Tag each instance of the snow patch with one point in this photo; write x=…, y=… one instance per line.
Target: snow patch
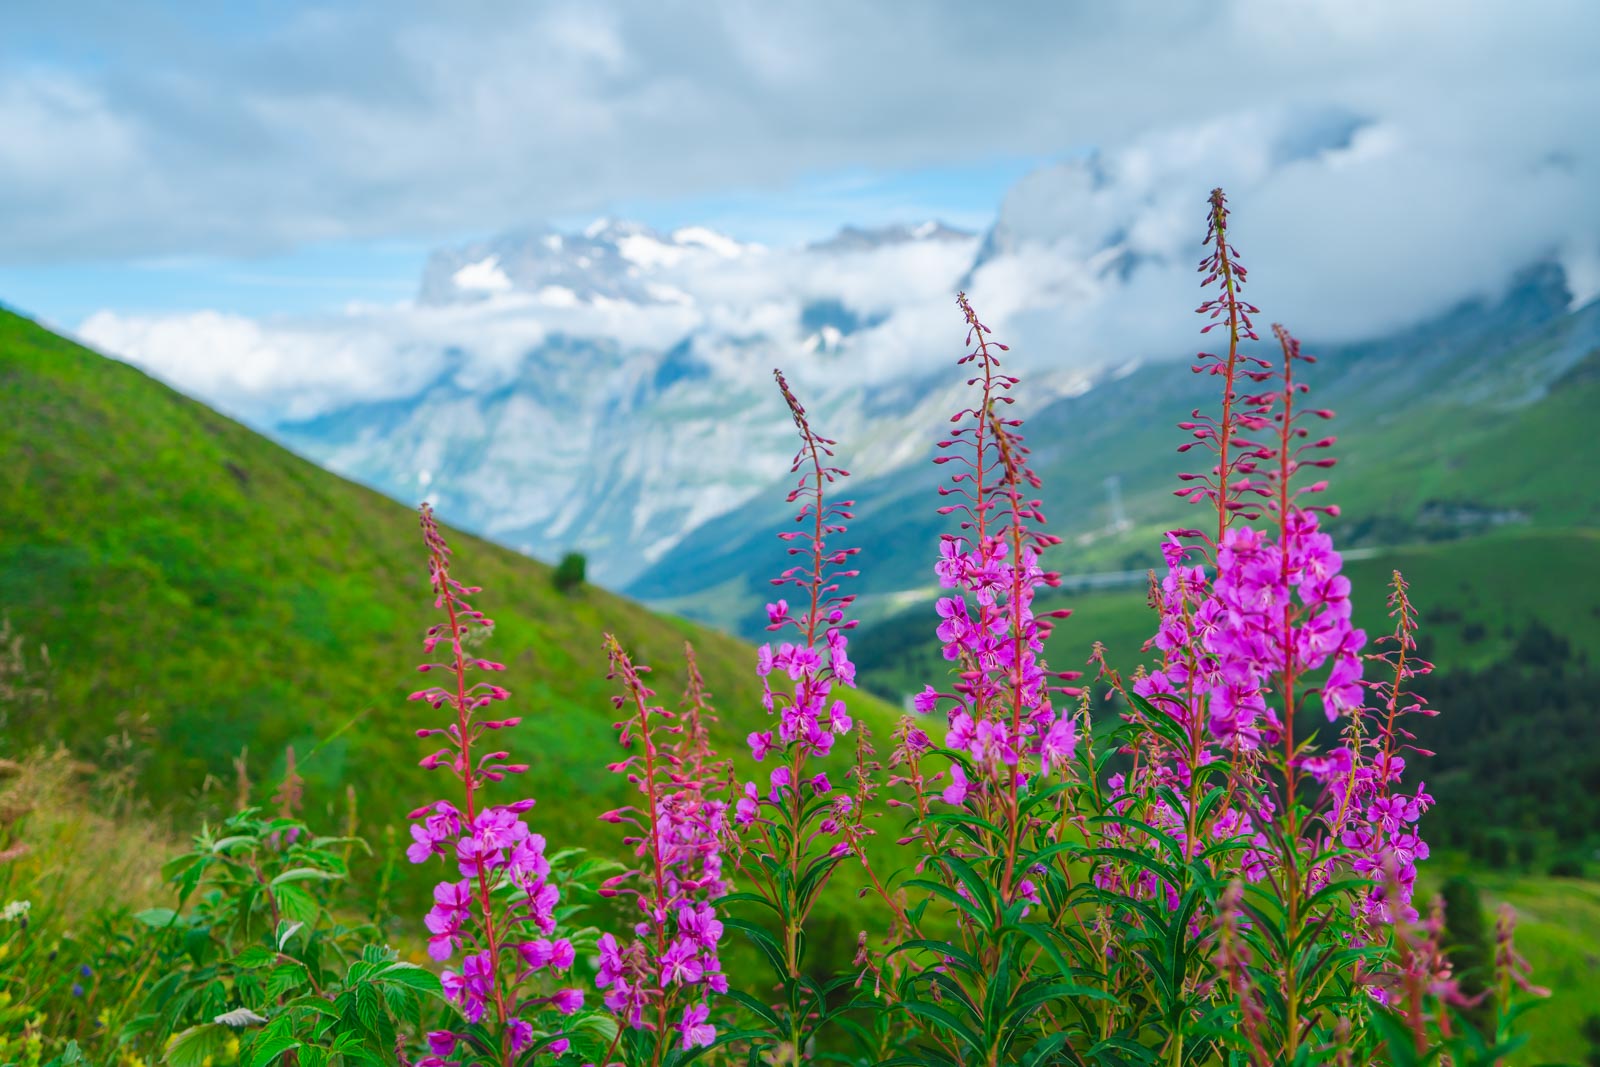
x=484, y=276
x=647, y=252
x=723, y=246
x=1581, y=264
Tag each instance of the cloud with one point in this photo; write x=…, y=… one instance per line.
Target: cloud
x=262, y=129
x=744, y=311
x=1384, y=160
x=1353, y=223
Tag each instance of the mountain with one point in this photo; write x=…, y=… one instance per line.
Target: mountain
x=1470, y=420
x=609, y=261
x=186, y=572
x=609, y=391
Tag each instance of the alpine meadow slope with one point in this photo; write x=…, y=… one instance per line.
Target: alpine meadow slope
x=182, y=570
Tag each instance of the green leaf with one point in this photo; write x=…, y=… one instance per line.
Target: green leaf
x=70, y=1056
x=295, y=903
x=979, y=914
x=763, y=940
x=604, y=1025
x=158, y=918
x=369, y=1008
x=254, y=957
x=225, y=843
x=934, y=1013
x=756, y=1006
x=412, y=977
x=941, y=948
x=191, y=1047
x=303, y=874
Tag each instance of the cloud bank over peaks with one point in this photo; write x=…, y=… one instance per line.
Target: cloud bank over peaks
x=835, y=312
x=1353, y=224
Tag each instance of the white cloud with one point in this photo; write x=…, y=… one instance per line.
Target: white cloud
x=1352, y=224
x=1384, y=159
x=291, y=368
x=373, y=120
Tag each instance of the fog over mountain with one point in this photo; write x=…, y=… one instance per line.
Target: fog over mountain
x=609, y=390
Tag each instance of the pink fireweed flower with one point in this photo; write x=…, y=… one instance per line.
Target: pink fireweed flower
x=956, y=792
x=520, y=1033
x=809, y=716
x=680, y=964
x=761, y=743
x=1005, y=722
x=748, y=807
x=697, y=1032
x=503, y=892
x=682, y=821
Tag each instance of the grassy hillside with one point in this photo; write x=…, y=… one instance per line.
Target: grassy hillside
x=180, y=567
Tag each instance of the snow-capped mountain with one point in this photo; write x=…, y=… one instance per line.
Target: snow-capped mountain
x=629, y=398
x=608, y=260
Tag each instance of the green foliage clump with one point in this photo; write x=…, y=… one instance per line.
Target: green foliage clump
x=569, y=573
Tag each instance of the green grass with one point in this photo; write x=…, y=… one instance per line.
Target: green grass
x=179, y=566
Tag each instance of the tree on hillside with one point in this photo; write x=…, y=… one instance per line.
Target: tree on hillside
x=569, y=573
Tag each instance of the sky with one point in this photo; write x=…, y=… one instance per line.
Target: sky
x=271, y=160
x=323, y=274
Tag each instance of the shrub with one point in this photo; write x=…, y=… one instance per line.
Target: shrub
x=1566, y=867
x=568, y=575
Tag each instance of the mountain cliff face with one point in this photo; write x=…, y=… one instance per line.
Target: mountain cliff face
x=637, y=402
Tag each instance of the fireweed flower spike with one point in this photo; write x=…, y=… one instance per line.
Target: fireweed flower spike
x=985, y=832
x=1001, y=717
x=495, y=909
x=660, y=978
x=1220, y=434
x=790, y=834
x=1369, y=815
x=1254, y=626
